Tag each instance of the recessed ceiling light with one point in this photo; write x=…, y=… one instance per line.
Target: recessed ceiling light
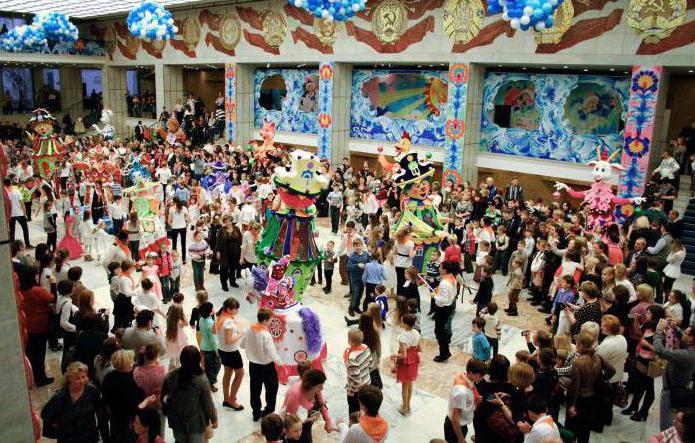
x=586, y=70
x=267, y=65
x=523, y=69
x=543, y=68
x=499, y=66
x=690, y=71
x=612, y=69
x=624, y=72
x=565, y=66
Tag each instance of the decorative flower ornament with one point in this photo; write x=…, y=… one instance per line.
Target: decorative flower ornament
x=455, y=128
x=637, y=147
x=324, y=120
x=326, y=72
x=458, y=73
x=645, y=81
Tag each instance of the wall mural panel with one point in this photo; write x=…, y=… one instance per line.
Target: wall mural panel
x=230, y=101
x=555, y=117
x=288, y=108
x=387, y=102
x=325, y=108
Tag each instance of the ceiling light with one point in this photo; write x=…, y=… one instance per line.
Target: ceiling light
x=586, y=70
x=690, y=71
x=524, y=68
x=612, y=69
x=543, y=68
x=267, y=65
x=499, y=66
x=565, y=66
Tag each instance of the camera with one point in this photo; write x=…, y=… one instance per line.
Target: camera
x=525, y=333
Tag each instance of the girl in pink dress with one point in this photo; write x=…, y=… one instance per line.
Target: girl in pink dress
x=407, y=361
x=151, y=270
x=69, y=242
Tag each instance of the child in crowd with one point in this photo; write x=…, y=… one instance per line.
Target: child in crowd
x=151, y=270
x=514, y=285
x=208, y=343
x=413, y=309
x=357, y=358
x=462, y=401
x=147, y=299
x=102, y=239
x=176, y=338
x=492, y=329
x=201, y=296
x=469, y=256
x=372, y=277
x=381, y=298
x=164, y=264
x=483, y=251
x=407, y=361
x=522, y=356
x=481, y=347
x=176, y=271
x=564, y=296
x=501, y=250
x=272, y=428
x=114, y=271
x=87, y=231
x=369, y=426
x=356, y=264
x=412, y=285
x=433, y=275
x=50, y=226
x=328, y=266
x=520, y=255
x=485, y=288
x=293, y=426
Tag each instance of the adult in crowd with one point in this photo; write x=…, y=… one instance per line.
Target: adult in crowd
x=36, y=305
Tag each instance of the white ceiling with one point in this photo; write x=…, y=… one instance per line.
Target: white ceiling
x=82, y=8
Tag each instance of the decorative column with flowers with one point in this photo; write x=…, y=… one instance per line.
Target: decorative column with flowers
x=325, y=116
x=230, y=104
x=639, y=133
x=455, y=123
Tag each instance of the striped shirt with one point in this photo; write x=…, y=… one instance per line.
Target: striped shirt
x=358, y=361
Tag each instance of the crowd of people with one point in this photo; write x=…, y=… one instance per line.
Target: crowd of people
x=614, y=320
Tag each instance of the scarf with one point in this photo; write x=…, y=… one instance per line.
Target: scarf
x=257, y=327
x=224, y=316
x=347, y=351
x=461, y=379
x=375, y=427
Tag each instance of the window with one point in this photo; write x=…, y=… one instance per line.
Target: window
x=273, y=92
x=515, y=106
x=18, y=84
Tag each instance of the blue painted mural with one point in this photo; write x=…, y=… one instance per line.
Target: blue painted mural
x=294, y=109
x=387, y=102
x=552, y=116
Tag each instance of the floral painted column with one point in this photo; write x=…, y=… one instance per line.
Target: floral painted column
x=326, y=71
x=455, y=123
x=639, y=131
x=230, y=101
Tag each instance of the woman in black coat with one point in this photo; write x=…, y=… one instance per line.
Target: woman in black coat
x=228, y=253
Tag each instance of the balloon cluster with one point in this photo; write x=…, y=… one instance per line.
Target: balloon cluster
x=23, y=38
x=151, y=22
x=339, y=10
x=56, y=26
x=525, y=14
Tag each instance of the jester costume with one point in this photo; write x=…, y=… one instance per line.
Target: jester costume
x=290, y=228
x=47, y=147
x=414, y=176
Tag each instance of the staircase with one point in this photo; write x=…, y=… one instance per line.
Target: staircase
x=686, y=206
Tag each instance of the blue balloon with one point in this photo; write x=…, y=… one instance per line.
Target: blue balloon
x=340, y=10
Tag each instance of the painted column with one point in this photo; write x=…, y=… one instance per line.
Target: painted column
x=113, y=81
x=230, y=101
x=340, y=117
x=71, y=91
x=639, y=129
x=325, y=114
x=456, y=122
x=474, y=115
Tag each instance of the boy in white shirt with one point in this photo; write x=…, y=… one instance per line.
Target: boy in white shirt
x=462, y=401
x=544, y=427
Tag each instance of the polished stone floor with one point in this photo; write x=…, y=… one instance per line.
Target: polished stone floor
x=429, y=399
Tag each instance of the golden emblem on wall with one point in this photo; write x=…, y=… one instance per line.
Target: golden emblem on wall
x=562, y=21
x=389, y=20
x=326, y=31
x=132, y=43
x=191, y=33
x=230, y=31
x=463, y=19
x=655, y=19
x=274, y=27
x=109, y=39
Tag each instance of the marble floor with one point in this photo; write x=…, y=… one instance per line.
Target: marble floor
x=429, y=400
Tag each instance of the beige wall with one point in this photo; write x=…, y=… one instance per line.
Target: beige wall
x=206, y=84
x=681, y=102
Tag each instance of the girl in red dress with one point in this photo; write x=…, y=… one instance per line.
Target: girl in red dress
x=407, y=361
x=69, y=242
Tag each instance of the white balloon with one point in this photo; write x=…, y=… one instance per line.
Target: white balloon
x=528, y=10
x=525, y=20
x=540, y=26
x=505, y=16
x=298, y=3
x=514, y=23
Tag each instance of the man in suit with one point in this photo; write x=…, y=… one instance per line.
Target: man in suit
x=514, y=191
x=139, y=131
x=639, y=250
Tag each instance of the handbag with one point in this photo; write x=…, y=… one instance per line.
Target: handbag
x=656, y=367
